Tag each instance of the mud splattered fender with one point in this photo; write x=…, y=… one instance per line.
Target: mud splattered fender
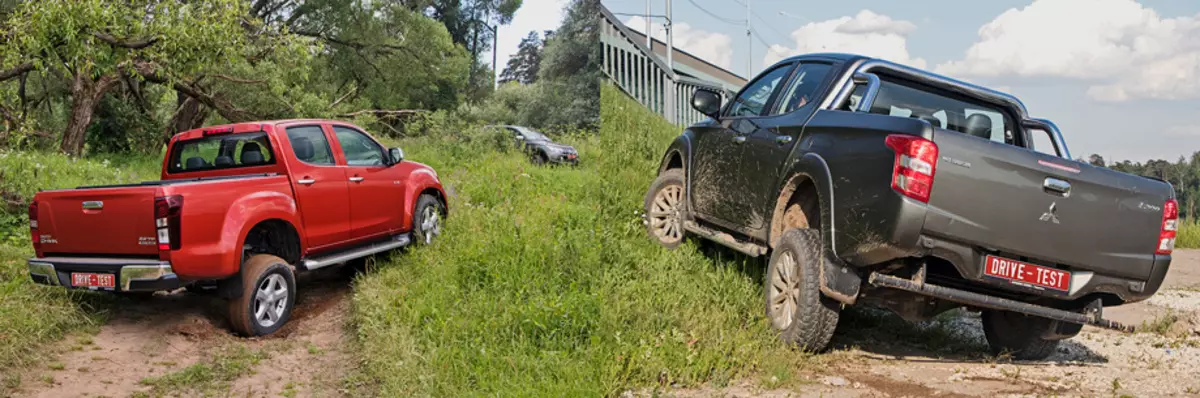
x=838, y=279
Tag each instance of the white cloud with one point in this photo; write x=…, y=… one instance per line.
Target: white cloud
x=1125, y=49
x=716, y=48
x=866, y=33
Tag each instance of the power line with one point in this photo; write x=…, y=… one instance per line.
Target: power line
x=768, y=25
x=718, y=17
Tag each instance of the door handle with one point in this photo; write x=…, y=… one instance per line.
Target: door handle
x=356, y=179
x=783, y=139
x=739, y=139
x=1055, y=185
x=306, y=181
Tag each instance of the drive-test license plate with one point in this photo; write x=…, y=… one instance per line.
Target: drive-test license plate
x=1026, y=274
x=81, y=279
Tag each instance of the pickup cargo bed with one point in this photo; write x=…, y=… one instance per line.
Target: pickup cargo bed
x=1008, y=199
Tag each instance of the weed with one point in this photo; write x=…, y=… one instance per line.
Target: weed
x=226, y=365
x=56, y=366
x=1161, y=324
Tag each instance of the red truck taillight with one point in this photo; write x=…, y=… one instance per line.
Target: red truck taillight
x=1170, y=223
x=167, y=211
x=33, y=225
x=916, y=161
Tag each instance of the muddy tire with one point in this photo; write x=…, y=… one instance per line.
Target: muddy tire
x=268, y=296
x=539, y=159
x=666, y=209
x=427, y=219
x=794, y=303
x=1018, y=335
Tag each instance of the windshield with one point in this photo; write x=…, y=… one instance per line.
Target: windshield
x=221, y=152
x=531, y=135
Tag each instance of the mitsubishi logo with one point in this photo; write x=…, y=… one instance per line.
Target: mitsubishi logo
x=1052, y=214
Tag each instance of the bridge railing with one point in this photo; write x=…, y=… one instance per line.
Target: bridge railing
x=646, y=77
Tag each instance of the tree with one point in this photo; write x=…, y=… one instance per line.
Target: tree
x=96, y=45
x=1096, y=160
x=523, y=66
x=570, y=66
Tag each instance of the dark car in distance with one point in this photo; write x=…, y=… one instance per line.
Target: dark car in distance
x=869, y=182
x=541, y=149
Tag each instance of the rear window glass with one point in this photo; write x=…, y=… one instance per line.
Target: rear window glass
x=955, y=113
x=221, y=152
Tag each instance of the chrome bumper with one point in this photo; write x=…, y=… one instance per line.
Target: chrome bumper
x=132, y=274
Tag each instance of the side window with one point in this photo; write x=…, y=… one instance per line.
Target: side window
x=310, y=145
x=803, y=89
x=753, y=99
x=359, y=149
x=1043, y=142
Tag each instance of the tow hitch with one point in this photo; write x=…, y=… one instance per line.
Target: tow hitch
x=1090, y=316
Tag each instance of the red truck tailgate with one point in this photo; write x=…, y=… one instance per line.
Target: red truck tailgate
x=106, y=221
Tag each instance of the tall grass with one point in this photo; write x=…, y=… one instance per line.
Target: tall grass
x=1188, y=236
x=545, y=283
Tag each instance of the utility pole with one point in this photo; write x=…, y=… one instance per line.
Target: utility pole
x=649, y=41
x=749, y=45
x=670, y=25
x=495, y=73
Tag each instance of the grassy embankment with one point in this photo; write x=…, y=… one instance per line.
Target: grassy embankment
x=546, y=284
x=32, y=314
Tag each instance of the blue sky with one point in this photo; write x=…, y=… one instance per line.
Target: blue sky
x=1120, y=77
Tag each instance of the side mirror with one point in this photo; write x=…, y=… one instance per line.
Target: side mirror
x=520, y=138
x=397, y=155
x=707, y=102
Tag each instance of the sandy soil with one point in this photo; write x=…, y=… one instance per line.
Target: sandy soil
x=156, y=336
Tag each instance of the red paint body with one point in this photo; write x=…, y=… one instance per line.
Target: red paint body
x=333, y=213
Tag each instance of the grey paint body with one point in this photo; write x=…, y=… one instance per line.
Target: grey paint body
x=537, y=144
x=987, y=197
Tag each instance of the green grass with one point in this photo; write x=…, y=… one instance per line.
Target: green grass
x=32, y=315
x=1188, y=236
x=210, y=377
x=545, y=283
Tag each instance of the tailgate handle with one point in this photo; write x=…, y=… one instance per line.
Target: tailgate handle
x=1057, y=186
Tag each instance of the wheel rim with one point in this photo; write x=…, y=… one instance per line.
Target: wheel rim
x=270, y=300
x=666, y=214
x=783, y=294
x=430, y=223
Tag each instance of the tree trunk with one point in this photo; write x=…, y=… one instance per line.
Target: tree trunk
x=189, y=114
x=85, y=95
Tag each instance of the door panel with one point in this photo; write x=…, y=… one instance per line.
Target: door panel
x=717, y=188
x=375, y=188
x=320, y=187
x=770, y=142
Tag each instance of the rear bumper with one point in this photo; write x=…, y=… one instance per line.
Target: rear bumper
x=969, y=262
x=132, y=275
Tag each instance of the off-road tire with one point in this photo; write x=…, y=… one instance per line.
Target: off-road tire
x=424, y=202
x=670, y=179
x=255, y=271
x=1018, y=335
x=815, y=317
x=539, y=159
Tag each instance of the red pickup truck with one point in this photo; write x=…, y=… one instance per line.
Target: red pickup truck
x=240, y=207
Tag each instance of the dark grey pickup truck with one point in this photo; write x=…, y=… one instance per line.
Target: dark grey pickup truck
x=868, y=182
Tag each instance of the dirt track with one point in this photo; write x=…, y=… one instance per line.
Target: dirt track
x=165, y=335
x=1098, y=362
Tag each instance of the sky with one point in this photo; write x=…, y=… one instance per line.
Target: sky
x=1121, y=78
x=534, y=15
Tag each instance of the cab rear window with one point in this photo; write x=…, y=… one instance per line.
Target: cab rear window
x=221, y=152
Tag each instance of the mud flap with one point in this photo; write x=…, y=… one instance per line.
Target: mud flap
x=838, y=281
